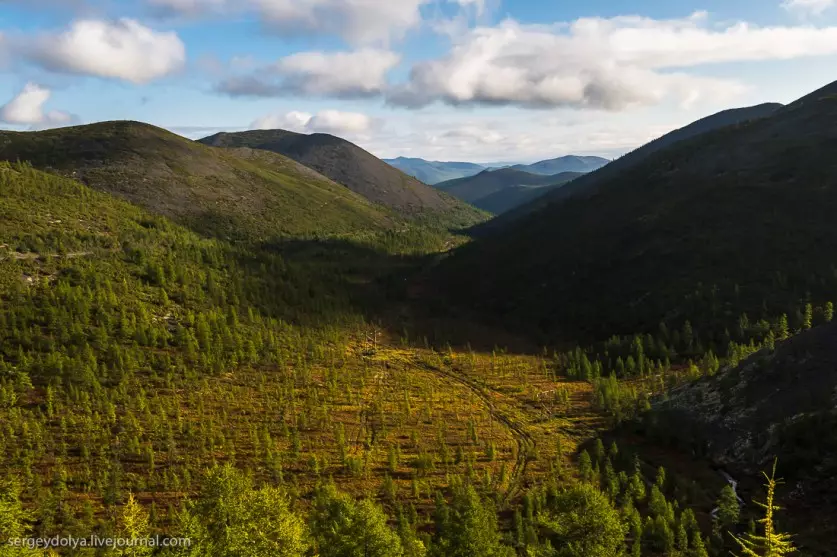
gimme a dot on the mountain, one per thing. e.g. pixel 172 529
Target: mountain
pixel 614 169
pixel 509 198
pixel 737 219
pixel 569 163
pixel 433 172
pixel 241 194
pixel 351 166
pixel 775 403
pixel 504 188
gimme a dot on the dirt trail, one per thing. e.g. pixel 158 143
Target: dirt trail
pixel 524 440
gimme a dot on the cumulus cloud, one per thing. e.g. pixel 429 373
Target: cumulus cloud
pixel 361 73
pixel 815 7
pixel 326 121
pixel 123 49
pixel 27 108
pixel 600 63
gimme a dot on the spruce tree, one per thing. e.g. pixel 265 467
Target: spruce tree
pixel 728 508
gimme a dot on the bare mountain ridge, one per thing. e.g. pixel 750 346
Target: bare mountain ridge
pixel 346 164
pixel 231 193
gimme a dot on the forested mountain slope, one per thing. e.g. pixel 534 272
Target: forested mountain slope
pixel 777 403
pixel 355 168
pixel 237 194
pixel 733 220
pixel 614 169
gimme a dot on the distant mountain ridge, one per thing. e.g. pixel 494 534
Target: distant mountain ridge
pixel 434 172
pixel 570 163
pixel 351 166
pixel 498 191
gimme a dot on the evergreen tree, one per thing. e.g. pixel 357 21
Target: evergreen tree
pixel 728 508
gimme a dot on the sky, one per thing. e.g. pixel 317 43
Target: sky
pixel 472 80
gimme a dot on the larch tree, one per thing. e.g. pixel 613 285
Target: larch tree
pixel 771 543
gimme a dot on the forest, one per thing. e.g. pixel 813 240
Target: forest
pixel 252 398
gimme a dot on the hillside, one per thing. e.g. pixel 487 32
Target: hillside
pixel 351 166
pixel 491 182
pixel 775 403
pixel 571 163
pixel 142 365
pixel 614 169
pixel 433 172
pixel 238 194
pixel 701 230
pixel 507 199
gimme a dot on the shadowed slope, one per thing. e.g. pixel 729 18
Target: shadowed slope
pixel 737 219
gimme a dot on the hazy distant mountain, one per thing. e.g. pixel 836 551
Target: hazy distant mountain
pixel 569 163
pixel 433 172
pixel 498 191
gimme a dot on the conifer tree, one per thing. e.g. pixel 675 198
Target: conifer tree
pixel 771 543
pixel 728 508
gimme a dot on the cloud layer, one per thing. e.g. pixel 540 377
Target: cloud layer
pixel 326 121
pixel 815 7
pixel 600 63
pixel 349 75
pixel 27 108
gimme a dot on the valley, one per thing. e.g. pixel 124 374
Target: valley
pixel 276 337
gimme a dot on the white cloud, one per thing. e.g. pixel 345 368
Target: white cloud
pixel 28 108
pixel 601 63
pixel 360 73
pixel 815 7
pixel 357 21
pixel 291 121
pixel 123 49
pixel 326 121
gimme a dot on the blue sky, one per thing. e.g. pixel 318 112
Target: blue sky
pixel 477 80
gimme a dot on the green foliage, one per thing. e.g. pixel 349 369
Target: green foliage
pixel 582 522
pixel 771 543
pixel 728 508
pixel 471 528
pixel 236 519
pixel 344 527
